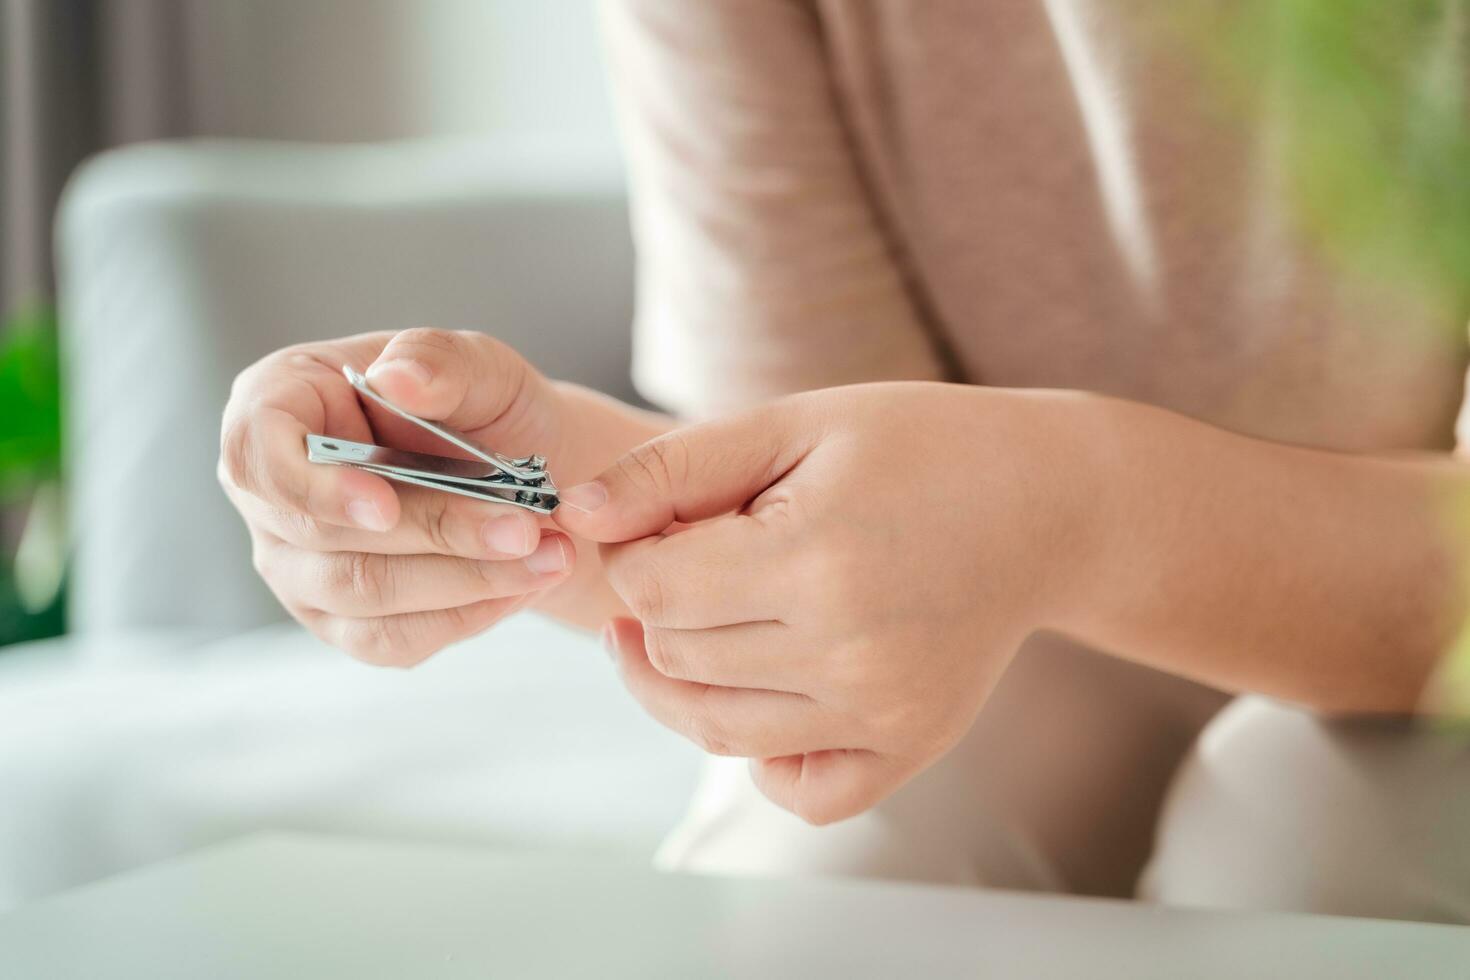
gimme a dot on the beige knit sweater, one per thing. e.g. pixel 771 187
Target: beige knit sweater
pixel 1008 192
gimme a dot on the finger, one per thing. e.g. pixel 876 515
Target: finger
pixel 824 787
pixel 359 584
pixel 720 720
pixel 306 382
pixel 764 656
pixel 410 638
pixel 715 574
pixel 273 405
pixel 466 380
pixel 430 523
pixel 685 475
pixel 265 456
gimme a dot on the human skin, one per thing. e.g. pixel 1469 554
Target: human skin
pixel 867 559
pixel 392 573
pixel 863 561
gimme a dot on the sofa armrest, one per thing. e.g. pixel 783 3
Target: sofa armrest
pixel 181 263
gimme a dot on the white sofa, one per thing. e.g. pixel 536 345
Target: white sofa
pixel 183 709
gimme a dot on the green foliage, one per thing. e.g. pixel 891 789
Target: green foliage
pixel 1368 102
pixel 20 622
pixel 30 404
pixel 32 597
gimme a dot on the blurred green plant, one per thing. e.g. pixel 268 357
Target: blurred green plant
pixel 32 574
pixel 1367 103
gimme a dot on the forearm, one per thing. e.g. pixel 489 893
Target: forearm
pixel 1327 579
pixel 600 430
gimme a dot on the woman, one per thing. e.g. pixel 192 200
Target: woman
pixel 1143 450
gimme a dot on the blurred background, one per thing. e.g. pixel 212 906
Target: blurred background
pixel 81 76
pixel 188 185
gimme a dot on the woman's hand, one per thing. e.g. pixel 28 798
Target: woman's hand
pixel 391 573
pixel 883 551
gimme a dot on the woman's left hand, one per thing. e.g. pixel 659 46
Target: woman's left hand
pixel 865 562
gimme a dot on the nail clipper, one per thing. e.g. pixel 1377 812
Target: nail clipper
pixel 489 476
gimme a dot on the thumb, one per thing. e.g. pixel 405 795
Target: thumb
pixel 686 475
pixel 466 380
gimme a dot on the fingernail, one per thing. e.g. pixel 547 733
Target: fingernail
pixel 585 497
pixel 609 638
pixel 508 536
pixel 550 556
pixel 366 515
pixel 401 365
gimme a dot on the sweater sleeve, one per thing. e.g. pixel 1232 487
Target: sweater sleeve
pixel 762 266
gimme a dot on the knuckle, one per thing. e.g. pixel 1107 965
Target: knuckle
pixel 434 519
pixel 492 574
pixel 664 656
pixel 235 454
pixel 646 598
pixel 243 385
pixel 380 642
pixel 707 733
pixel 241 380
pixel 365 577
pixel 497 348
pixel 459 623
pixel 659 464
pixel 492 351
pixel 300 360
pixel 305 530
pixel 359 642
pixel 793 517
pixel 432 338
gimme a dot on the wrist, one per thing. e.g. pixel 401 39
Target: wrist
pixel 1087 483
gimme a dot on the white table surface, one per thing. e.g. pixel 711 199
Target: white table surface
pixel 121 750
pixel 303 906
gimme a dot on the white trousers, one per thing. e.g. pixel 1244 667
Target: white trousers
pixel 1085 774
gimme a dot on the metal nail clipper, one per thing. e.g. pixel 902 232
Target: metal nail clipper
pixel 489 476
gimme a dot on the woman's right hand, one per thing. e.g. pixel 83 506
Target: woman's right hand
pixel 390 572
